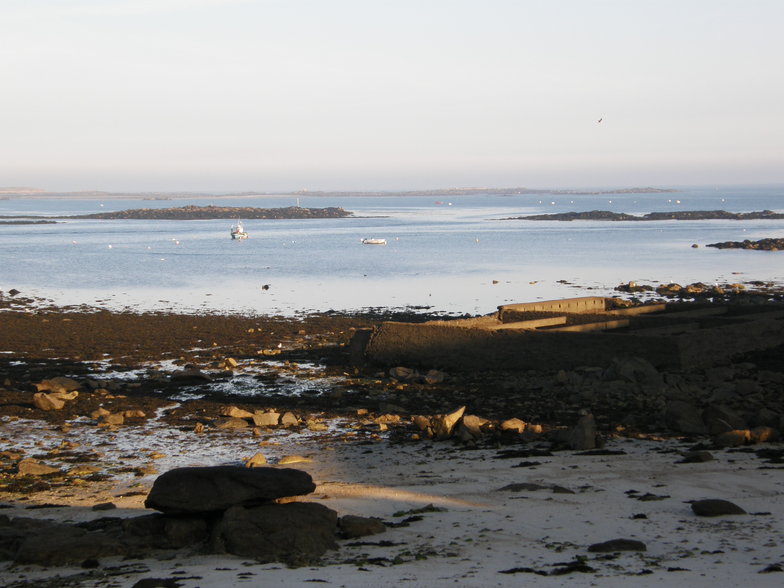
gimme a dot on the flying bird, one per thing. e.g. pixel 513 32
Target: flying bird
pixel 600 120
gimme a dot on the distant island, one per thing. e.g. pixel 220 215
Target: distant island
pixel 606 215
pixel 198 213
pixel 219 212
pixel 8 193
pixel 26 222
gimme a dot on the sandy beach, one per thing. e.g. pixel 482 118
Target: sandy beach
pixel 493 511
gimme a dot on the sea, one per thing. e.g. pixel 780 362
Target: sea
pixel 452 254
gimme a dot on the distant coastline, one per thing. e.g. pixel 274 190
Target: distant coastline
pixel 606 215
pixel 11 193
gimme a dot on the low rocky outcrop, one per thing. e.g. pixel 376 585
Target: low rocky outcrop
pixel 759 245
pixel 223 509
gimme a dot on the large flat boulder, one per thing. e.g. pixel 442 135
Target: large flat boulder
pixel 209 489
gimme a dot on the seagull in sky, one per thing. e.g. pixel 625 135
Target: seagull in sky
pixel 600 120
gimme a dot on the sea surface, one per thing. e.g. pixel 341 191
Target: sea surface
pixel 451 254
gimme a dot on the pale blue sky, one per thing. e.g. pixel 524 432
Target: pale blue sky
pixel 231 95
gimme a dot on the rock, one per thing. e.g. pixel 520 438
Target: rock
pixel 104 506
pixel 402 373
pixel 767 417
pixel 443 424
pixel 352 526
pixel 289 420
pixel 716 375
pixel 634 369
pixel 474 424
pixel 231 423
pixel 44 401
pixel 290 459
pixel 434 377
pixel 734 438
pixel 112 419
pixel 523 487
pixel 715 507
pixel 256 461
pixel 388 407
pixel 316 426
pixel 236 413
pixel 205 489
pixel 513 425
pixel 190 374
pixel 421 422
pixel 583 435
pixel 696 457
pixel 720 419
pixel 763 434
pixel 98 413
pixel 683 417
pixel 164 531
pixel 66 395
pixel 266 419
pixel 297 533
pixel 696 288
pixel 53 544
pixel 617 545
pixel 31 467
pixel 59 384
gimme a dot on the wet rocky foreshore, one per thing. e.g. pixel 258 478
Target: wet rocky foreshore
pixel 125 362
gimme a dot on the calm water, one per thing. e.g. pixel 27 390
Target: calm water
pixel 454 256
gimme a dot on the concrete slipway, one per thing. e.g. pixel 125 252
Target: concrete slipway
pixel 563 334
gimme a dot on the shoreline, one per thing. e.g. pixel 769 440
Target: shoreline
pixel 357 437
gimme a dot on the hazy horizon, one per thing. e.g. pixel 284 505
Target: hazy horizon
pixel 349 95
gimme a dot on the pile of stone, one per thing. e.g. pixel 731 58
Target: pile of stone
pixel 223 509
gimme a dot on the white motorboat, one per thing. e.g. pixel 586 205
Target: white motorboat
pixel 238 231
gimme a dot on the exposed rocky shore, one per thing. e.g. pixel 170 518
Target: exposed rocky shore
pixel 606 215
pixel 80 385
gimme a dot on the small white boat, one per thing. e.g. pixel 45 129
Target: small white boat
pixel 374 241
pixel 238 232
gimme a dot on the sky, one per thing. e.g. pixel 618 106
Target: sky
pixel 282 95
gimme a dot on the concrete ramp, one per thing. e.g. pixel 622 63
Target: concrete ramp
pixel 575 332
